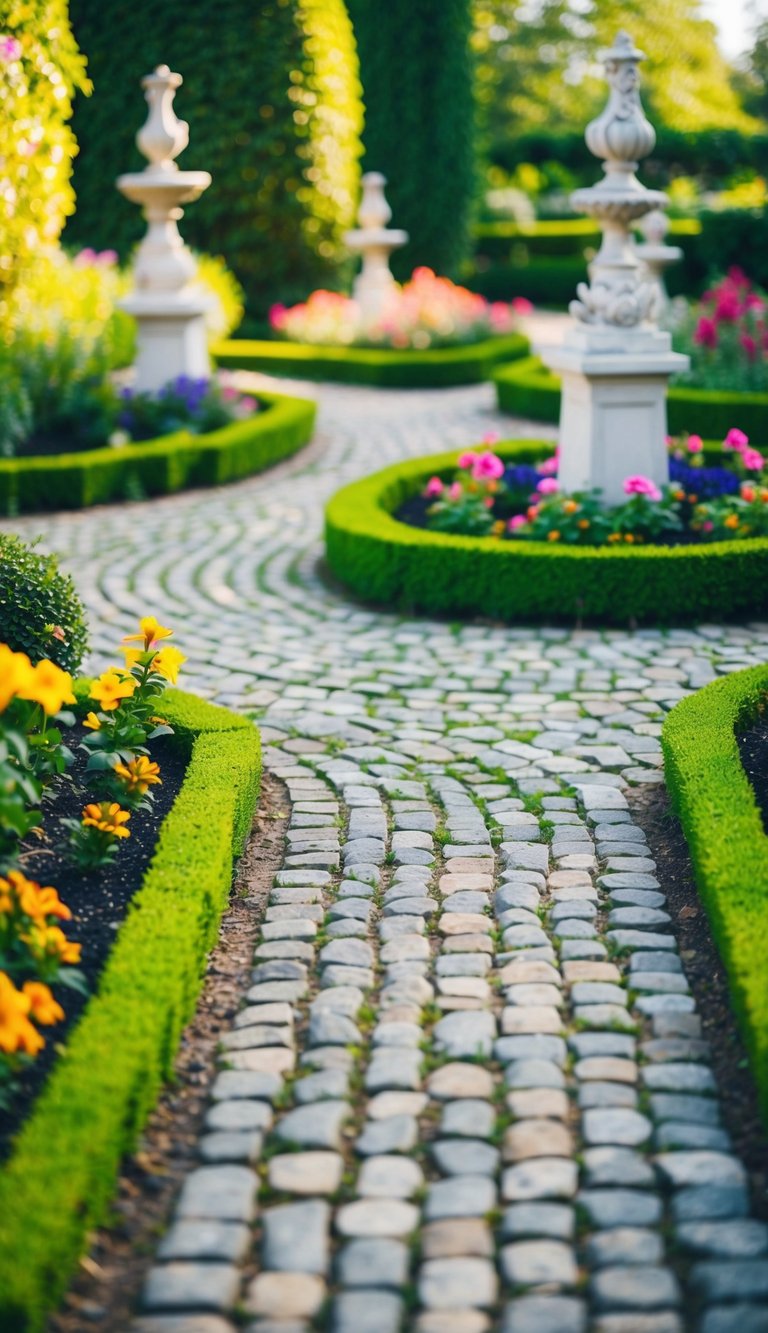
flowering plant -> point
(20, 1009)
(95, 837)
(428, 311)
(196, 405)
(466, 504)
(726, 336)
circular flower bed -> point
(384, 559)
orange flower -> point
(50, 942)
(50, 686)
(25, 895)
(16, 1032)
(43, 1008)
(151, 632)
(112, 687)
(139, 775)
(583, 523)
(570, 506)
(731, 521)
(107, 817)
(553, 536)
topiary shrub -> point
(273, 103)
(40, 612)
(417, 74)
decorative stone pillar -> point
(614, 360)
(169, 311)
(375, 243)
(656, 257)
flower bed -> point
(161, 466)
(384, 560)
(726, 337)
(528, 389)
(722, 822)
(58, 1181)
(384, 367)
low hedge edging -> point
(385, 367)
(529, 389)
(158, 467)
(57, 1184)
(714, 800)
(383, 560)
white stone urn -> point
(169, 311)
(374, 241)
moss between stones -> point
(59, 1180)
(529, 389)
(727, 841)
(385, 367)
(383, 560)
(158, 467)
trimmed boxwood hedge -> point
(60, 1177)
(158, 467)
(384, 367)
(727, 840)
(529, 389)
(383, 560)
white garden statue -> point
(375, 242)
(657, 257)
(614, 361)
(169, 310)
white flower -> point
(118, 439)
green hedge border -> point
(385, 561)
(59, 1180)
(714, 800)
(158, 467)
(529, 389)
(385, 368)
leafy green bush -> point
(383, 560)
(40, 612)
(727, 841)
(272, 99)
(529, 389)
(417, 74)
(40, 69)
(93, 1107)
(381, 366)
(158, 467)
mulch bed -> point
(105, 1293)
(706, 973)
(98, 900)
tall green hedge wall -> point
(418, 91)
(272, 97)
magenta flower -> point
(517, 521)
(695, 444)
(706, 332)
(433, 487)
(642, 486)
(548, 468)
(707, 525)
(736, 439)
(467, 460)
(522, 306)
(547, 486)
(752, 460)
(748, 345)
(454, 491)
(10, 49)
(488, 467)
(491, 437)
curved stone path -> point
(468, 1088)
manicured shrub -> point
(723, 826)
(40, 612)
(416, 68)
(384, 367)
(272, 99)
(385, 561)
(60, 1177)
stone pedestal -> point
(171, 341)
(374, 241)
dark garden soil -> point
(97, 900)
(707, 975)
(753, 748)
(105, 1292)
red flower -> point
(706, 332)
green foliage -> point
(272, 99)
(529, 389)
(93, 1107)
(40, 69)
(157, 467)
(40, 612)
(416, 68)
(727, 841)
(384, 367)
(438, 573)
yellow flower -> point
(107, 817)
(17, 893)
(92, 722)
(16, 671)
(167, 662)
(46, 942)
(731, 521)
(111, 688)
(553, 536)
(16, 1032)
(139, 775)
(151, 632)
(614, 536)
(132, 656)
(48, 685)
(43, 1008)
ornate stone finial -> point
(621, 135)
(374, 211)
(163, 136)
(374, 241)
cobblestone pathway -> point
(467, 1089)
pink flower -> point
(752, 460)
(517, 521)
(707, 526)
(467, 460)
(10, 49)
(749, 346)
(706, 332)
(454, 491)
(736, 439)
(276, 316)
(695, 444)
(548, 468)
(488, 501)
(547, 486)
(488, 467)
(522, 306)
(433, 487)
(642, 486)
(491, 437)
